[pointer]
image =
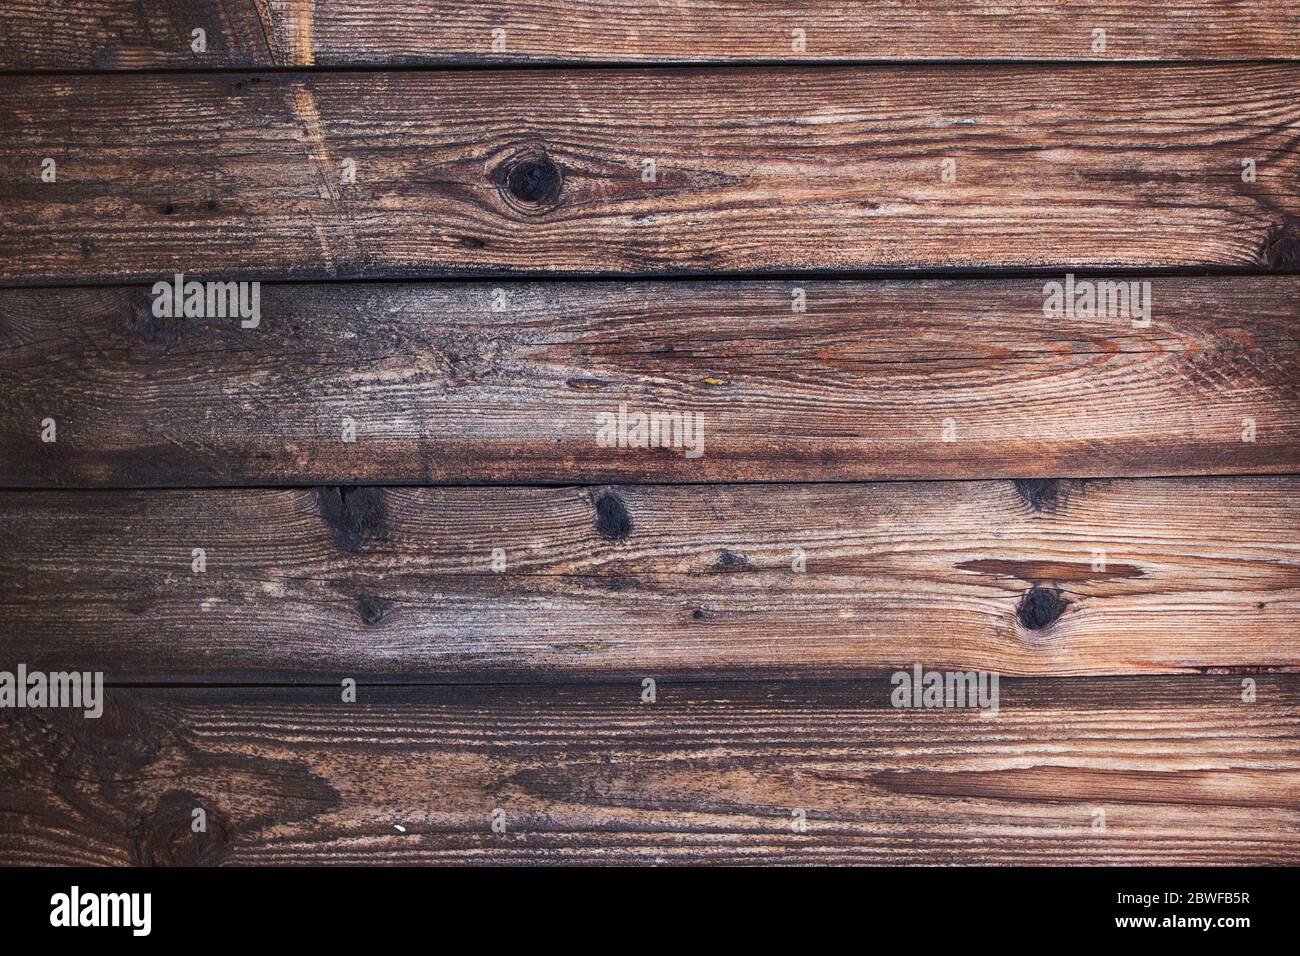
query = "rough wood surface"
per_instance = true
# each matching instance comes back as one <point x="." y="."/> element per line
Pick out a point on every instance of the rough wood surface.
<point x="125" y="34"/>
<point x="443" y="388"/>
<point x="501" y="582"/>
<point x="398" y="584"/>
<point x="764" y="168"/>
<point x="1184" y="771"/>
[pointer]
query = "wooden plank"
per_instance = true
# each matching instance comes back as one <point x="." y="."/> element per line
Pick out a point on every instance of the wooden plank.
<point x="864" y="384"/>
<point x="541" y="171"/>
<point x="1184" y="771"/>
<point x="1039" y="578"/>
<point x="127" y="35"/>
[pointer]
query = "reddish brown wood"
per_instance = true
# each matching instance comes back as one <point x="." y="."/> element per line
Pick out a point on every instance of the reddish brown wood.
<point x="126" y="35"/>
<point x="543" y="172"/>
<point x="1184" y="771"/>
<point x="1074" y="578"/>
<point x="863" y="384"/>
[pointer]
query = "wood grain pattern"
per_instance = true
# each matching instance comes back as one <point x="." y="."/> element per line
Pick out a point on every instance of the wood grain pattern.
<point x="500" y="582"/>
<point x="398" y="584"/>
<point x="126" y="35"/>
<point x="541" y="171"/>
<point x="443" y="388"/>
<point x="1185" y="772"/>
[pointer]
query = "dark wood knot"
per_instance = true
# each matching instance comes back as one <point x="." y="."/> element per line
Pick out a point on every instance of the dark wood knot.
<point x="1041" y="494"/>
<point x="530" y="181"/>
<point x="355" y="516"/>
<point x="1040" y="607"/>
<point x="373" y="609"/>
<point x="612" y="520"/>
<point x="165" y="835"/>
<point x="1281" y="249"/>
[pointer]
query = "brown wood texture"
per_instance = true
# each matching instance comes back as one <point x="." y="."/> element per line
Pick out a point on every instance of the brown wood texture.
<point x="398" y="584"/>
<point x="127" y="34"/>
<point x="670" y="209"/>
<point x="1184" y="771"/>
<point x="543" y="171"/>
<point x="443" y="388"/>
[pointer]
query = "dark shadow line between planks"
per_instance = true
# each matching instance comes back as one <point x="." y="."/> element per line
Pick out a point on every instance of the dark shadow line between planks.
<point x="578" y="484"/>
<point x="558" y="276"/>
<point x="482" y="63"/>
<point x="747" y="676"/>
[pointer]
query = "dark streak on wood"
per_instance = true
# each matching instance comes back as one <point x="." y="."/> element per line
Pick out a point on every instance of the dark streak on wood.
<point x="1061" y="571"/>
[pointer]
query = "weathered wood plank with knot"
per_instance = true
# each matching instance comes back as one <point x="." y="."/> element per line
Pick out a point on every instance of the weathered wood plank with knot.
<point x="615" y="172"/>
<point x="722" y="581"/>
<point x="1163" y="771"/>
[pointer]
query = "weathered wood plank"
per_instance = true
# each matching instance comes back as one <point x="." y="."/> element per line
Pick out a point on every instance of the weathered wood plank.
<point x="1073" y="578"/>
<point x="532" y="171"/>
<point x="1184" y="771"/>
<point x="125" y="35"/>
<point x="869" y="382"/>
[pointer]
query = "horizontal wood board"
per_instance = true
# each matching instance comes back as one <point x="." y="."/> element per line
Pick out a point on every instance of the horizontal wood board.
<point x="513" y="382"/>
<point x="726" y="581"/>
<point x="545" y="171"/>
<point x="127" y="35"/>
<point x="1182" y="770"/>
